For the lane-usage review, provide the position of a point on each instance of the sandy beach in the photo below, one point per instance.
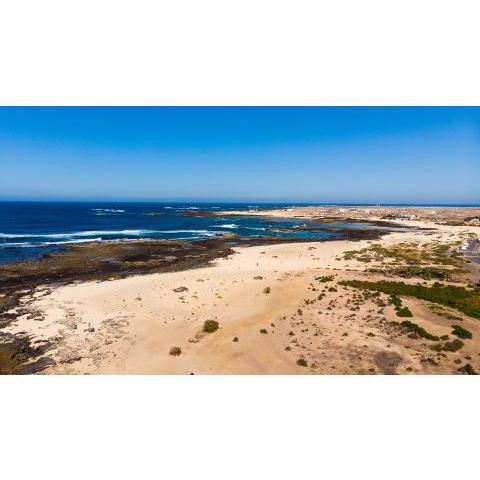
(279, 308)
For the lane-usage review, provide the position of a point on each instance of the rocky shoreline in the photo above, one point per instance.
(109, 260)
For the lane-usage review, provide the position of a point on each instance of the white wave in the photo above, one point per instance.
(86, 240)
(199, 233)
(96, 233)
(11, 235)
(90, 233)
(16, 244)
(84, 236)
(46, 244)
(227, 225)
(87, 233)
(184, 231)
(109, 210)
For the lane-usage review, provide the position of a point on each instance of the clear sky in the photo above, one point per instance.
(358, 154)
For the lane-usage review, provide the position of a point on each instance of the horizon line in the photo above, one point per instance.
(282, 202)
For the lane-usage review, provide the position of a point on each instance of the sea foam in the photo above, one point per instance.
(86, 233)
(109, 210)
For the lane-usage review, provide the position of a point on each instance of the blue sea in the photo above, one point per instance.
(30, 229)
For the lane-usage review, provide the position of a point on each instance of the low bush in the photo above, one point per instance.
(417, 329)
(453, 346)
(175, 351)
(302, 362)
(427, 273)
(395, 300)
(467, 370)
(443, 313)
(461, 332)
(404, 312)
(459, 298)
(210, 326)
(325, 278)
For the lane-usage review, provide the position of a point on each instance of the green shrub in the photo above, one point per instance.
(264, 331)
(404, 312)
(467, 370)
(461, 332)
(466, 301)
(302, 362)
(210, 326)
(453, 346)
(325, 278)
(394, 300)
(175, 351)
(413, 327)
(442, 313)
(428, 273)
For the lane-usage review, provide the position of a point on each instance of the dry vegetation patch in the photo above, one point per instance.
(459, 298)
(433, 261)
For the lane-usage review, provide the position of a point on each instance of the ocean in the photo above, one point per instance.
(31, 229)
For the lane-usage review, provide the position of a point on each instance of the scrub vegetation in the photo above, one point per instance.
(407, 260)
(459, 298)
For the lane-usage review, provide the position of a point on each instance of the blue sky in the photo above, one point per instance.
(358, 154)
